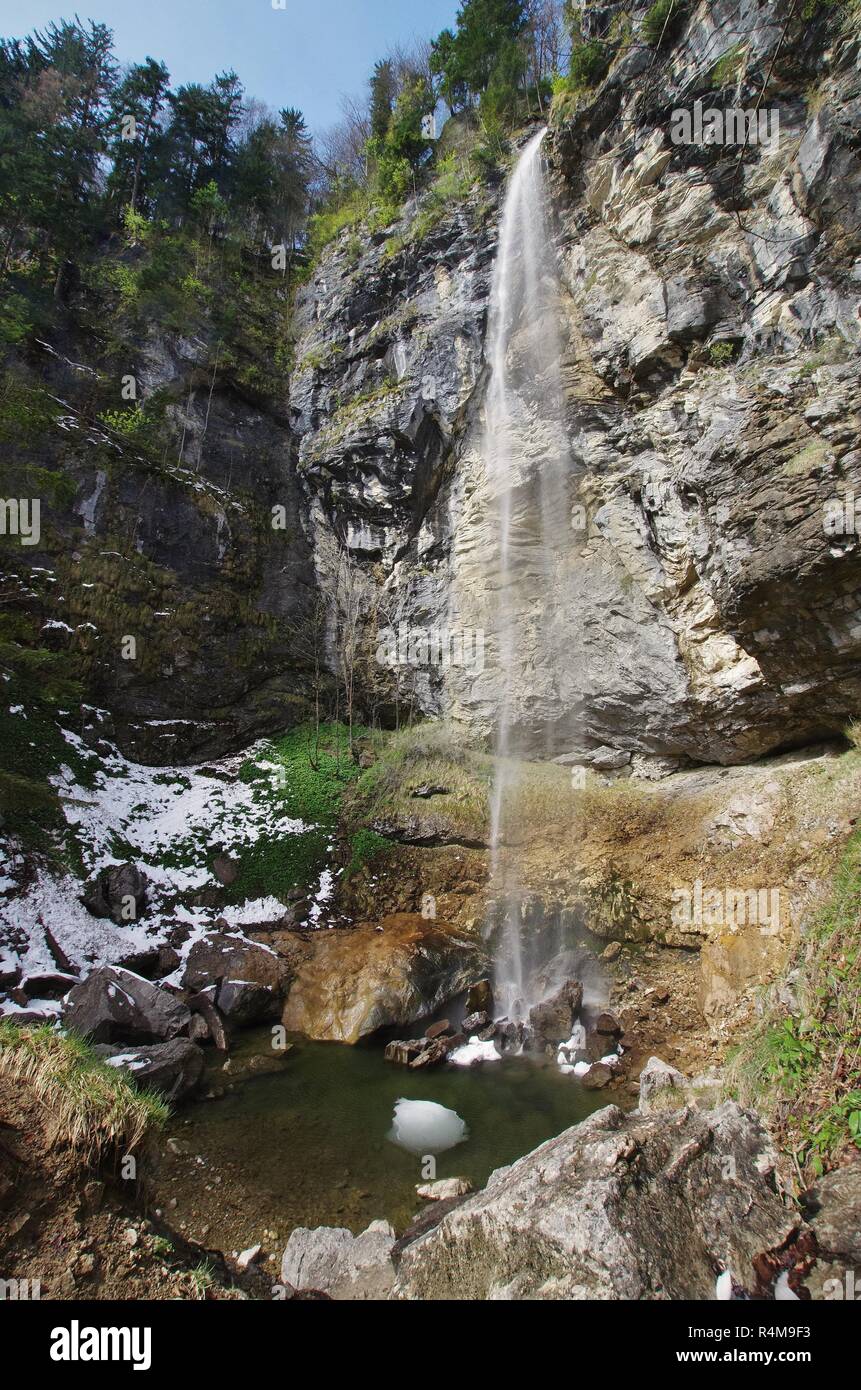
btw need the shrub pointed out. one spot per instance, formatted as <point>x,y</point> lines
<point>589,63</point>
<point>663,21</point>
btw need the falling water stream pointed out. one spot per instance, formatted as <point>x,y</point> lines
<point>525,455</point>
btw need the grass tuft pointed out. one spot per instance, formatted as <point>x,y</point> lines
<point>92,1108</point>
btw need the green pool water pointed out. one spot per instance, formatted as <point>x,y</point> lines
<point>309,1144</point>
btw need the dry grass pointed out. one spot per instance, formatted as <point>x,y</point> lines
<point>433,754</point>
<point>616,813</point>
<point>802,1065</point>
<point>92,1108</point>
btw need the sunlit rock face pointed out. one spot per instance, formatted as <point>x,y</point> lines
<point>703,606</point>
<point>401,970</point>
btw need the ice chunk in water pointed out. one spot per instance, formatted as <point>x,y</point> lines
<point>423,1127</point>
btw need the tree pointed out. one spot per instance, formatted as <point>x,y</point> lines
<point>467,59</point>
<point>384,90</point>
<point>136,104</point>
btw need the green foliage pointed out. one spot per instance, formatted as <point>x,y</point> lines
<point>721,354</point>
<point>726,70</point>
<point>479,51</point>
<point>15,323</point>
<point>37,682</point>
<point>312,774</point>
<point>803,1069</point>
<point>663,22</point>
<point>589,63</point>
<point>91,1107</point>
<point>365,846</point>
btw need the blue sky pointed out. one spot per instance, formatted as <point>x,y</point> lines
<point>306,55</point>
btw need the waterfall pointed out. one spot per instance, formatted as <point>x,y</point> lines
<point>525,455</point>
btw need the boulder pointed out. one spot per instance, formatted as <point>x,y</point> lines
<point>356,982</point>
<point>438,1030</point>
<point>662,1087</point>
<point>443,1189</point>
<point>433,1055</point>
<point>474,1023</point>
<point>553,1019</point>
<point>403,1053</point>
<point>48,984</point>
<point>479,1000</point>
<point>118,892</point>
<point>114,1005</point>
<point>242,1002</point>
<point>225,869</point>
<point>618,1207</point>
<point>598,1076</point>
<point>203,1005</point>
<point>225,955</point>
<point>833,1209</point>
<point>174,1068</point>
<point>608,1025</point>
<point>153,964</point>
<point>331,1260</point>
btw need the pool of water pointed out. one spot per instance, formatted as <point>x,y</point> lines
<point>309,1145</point>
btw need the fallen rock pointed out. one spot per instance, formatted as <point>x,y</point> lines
<point>113,1005</point>
<point>474,1023</point>
<point>598,1076</point>
<point>225,869</point>
<point>618,1207</point>
<point>203,1004</point>
<point>174,1068</point>
<point>443,1189</point>
<point>332,1261</point>
<point>662,1087</point>
<point>118,892</point>
<point>553,1019</point>
<point>248,1257</point>
<point>224,955</point>
<point>437,1030</point>
<point>356,982</point>
<point>833,1209</point>
<point>609,1025</point>
<point>433,1055</point>
<point>49,984</point>
<point>479,1000</point>
<point>242,1002</point>
<point>403,1053</point>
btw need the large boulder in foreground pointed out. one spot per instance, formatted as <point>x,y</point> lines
<point>331,1260</point>
<point>115,1005</point>
<point>619,1207</point>
<point>358,981</point>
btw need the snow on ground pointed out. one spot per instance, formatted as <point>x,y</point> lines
<point>170,821</point>
<point>474,1051</point>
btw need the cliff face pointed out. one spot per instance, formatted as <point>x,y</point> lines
<point>709,300</point>
<point>711,314</point>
